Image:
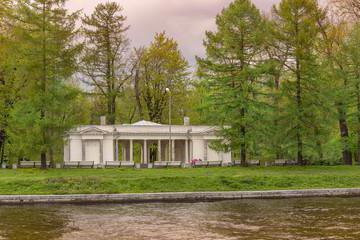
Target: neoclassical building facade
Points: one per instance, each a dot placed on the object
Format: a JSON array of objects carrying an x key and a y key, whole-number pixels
[{"x": 143, "y": 142}]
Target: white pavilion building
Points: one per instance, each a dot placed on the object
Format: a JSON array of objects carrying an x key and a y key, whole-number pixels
[{"x": 104, "y": 144}]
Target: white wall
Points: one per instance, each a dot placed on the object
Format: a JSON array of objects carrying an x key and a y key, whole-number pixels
[
  {"x": 92, "y": 151},
  {"x": 75, "y": 150},
  {"x": 198, "y": 149},
  {"x": 108, "y": 150}
]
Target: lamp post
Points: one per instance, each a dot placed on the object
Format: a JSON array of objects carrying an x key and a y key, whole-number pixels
[{"x": 170, "y": 141}]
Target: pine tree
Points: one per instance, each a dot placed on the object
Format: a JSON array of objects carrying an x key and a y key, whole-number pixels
[
  {"x": 45, "y": 33},
  {"x": 233, "y": 73}
]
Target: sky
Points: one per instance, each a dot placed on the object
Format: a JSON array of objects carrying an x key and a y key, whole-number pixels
[{"x": 184, "y": 20}]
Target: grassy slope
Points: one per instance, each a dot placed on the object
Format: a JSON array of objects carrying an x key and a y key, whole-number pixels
[{"x": 75, "y": 181}]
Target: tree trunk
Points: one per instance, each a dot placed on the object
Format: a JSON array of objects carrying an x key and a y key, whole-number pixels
[
  {"x": 137, "y": 94},
  {"x": 358, "y": 121},
  {"x": 300, "y": 112},
  {"x": 2, "y": 145},
  {"x": 344, "y": 133},
  {"x": 111, "y": 110},
  {"x": 43, "y": 160},
  {"x": 243, "y": 140}
]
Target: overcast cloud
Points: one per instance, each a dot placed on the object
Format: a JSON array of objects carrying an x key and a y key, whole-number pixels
[{"x": 184, "y": 20}]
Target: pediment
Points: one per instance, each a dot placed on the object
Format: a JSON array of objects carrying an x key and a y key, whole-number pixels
[{"x": 93, "y": 131}]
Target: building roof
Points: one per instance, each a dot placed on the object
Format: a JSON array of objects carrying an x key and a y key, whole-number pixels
[
  {"x": 145, "y": 123},
  {"x": 143, "y": 127}
]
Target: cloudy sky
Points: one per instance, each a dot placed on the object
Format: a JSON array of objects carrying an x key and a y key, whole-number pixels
[{"x": 184, "y": 20}]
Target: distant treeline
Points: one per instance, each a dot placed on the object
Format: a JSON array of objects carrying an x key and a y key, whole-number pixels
[{"x": 282, "y": 85}]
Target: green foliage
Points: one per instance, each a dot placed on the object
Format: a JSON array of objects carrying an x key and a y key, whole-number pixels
[
  {"x": 161, "y": 66},
  {"x": 105, "y": 65},
  {"x": 233, "y": 71},
  {"x": 46, "y": 56}
]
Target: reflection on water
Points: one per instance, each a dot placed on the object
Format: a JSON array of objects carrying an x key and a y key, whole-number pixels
[{"x": 317, "y": 218}]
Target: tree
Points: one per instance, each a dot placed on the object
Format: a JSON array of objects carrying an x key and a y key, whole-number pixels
[
  {"x": 297, "y": 32},
  {"x": 45, "y": 33},
  {"x": 348, "y": 8},
  {"x": 161, "y": 66},
  {"x": 104, "y": 62},
  {"x": 351, "y": 57},
  {"x": 8, "y": 89},
  {"x": 233, "y": 73}
]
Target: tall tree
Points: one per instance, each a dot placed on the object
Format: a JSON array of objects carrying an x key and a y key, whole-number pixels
[
  {"x": 351, "y": 58},
  {"x": 297, "y": 32},
  {"x": 106, "y": 65},
  {"x": 232, "y": 72},
  {"x": 161, "y": 66},
  {"x": 45, "y": 33}
]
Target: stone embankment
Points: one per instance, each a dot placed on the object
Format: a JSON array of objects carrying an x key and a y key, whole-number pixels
[{"x": 176, "y": 197}]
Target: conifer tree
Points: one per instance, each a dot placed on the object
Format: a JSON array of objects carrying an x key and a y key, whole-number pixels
[
  {"x": 297, "y": 32},
  {"x": 232, "y": 72},
  {"x": 45, "y": 32}
]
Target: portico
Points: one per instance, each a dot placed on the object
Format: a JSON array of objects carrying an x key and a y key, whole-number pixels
[{"x": 142, "y": 142}]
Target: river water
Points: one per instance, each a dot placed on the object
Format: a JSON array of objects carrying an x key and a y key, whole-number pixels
[{"x": 317, "y": 218}]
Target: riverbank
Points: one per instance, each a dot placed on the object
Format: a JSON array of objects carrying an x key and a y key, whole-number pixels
[
  {"x": 177, "y": 196},
  {"x": 116, "y": 181}
]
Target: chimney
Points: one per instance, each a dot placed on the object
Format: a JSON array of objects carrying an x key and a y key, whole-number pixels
[
  {"x": 186, "y": 121},
  {"x": 103, "y": 120}
]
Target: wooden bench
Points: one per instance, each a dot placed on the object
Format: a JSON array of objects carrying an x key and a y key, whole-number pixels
[
  {"x": 112, "y": 164},
  {"x": 86, "y": 164},
  {"x": 291, "y": 162},
  {"x": 236, "y": 163},
  {"x": 201, "y": 164},
  {"x": 32, "y": 164},
  {"x": 253, "y": 163},
  {"x": 214, "y": 163},
  {"x": 280, "y": 162},
  {"x": 71, "y": 164},
  {"x": 174, "y": 164},
  {"x": 161, "y": 164},
  {"x": 127, "y": 164}
]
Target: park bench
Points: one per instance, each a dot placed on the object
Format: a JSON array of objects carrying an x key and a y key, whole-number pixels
[
  {"x": 86, "y": 164},
  {"x": 214, "y": 163},
  {"x": 160, "y": 164},
  {"x": 32, "y": 164},
  {"x": 174, "y": 164},
  {"x": 236, "y": 163},
  {"x": 27, "y": 164},
  {"x": 71, "y": 164},
  {"x": 201, "y": 164},
  {"x": 112, "y": 164},
  {"x": 253, "y": 162},
  {"x": 280, "y": 162},
  {"x": 127, "y": 164},
  {"x": 291, "y": 162}
]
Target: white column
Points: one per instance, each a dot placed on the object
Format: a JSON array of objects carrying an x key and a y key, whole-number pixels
[
  {"x": 123, "y": 152},
  {"x": 83, "y": 150},
  {"x": 159, "y": 150},
  {"x": 131, "y": 151},
  {"x": 116, "y": 150},
  {"x": 191, "y": 150},
  {"x": 173, "y": 150},
  {"x": 186, "y": 151},
  {"x": 145, "y": 152}
]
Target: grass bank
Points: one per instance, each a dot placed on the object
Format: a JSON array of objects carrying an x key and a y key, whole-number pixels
[{"x": 96, "y": 181}]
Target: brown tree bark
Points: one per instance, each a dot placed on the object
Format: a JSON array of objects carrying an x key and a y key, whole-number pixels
[{"x": 344, "y": 133}]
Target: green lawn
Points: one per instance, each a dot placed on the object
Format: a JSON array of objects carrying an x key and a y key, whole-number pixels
[{"x": 76, "y": 181}]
